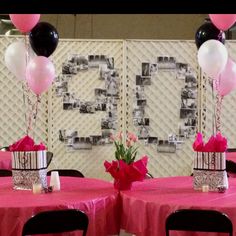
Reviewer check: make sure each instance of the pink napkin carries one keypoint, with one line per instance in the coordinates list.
(216, 143)
(26, 144)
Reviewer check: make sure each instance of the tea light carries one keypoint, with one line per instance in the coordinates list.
(37, 188)
(205, 188)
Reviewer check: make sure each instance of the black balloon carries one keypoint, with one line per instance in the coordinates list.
(44, 39)
(206, 32)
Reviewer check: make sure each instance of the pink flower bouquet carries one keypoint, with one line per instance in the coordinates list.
(125, 170)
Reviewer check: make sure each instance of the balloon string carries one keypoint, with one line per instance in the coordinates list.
(213, 99)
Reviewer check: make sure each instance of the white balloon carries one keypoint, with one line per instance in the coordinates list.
(15, 59)
(212, 57)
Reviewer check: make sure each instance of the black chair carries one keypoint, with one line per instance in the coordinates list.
(5, 172)
(49, 158)
(56, 221)
(230, 166)
(199, 220)
(67, 172)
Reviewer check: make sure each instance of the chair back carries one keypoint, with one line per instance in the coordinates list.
(56, 221)
(49, 157)
(5, 172)
(199, 220)
(67, 172)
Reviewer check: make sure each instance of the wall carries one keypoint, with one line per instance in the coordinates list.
(126, 26)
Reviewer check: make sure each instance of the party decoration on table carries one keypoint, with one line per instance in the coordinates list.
(44, 39)
(125, 170)
(223, 21)
(206, 32)
(40, 73)
(29, 163)
(24, 22)
(212, 57)
(209, 166)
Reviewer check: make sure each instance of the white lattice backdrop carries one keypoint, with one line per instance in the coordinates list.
(228, 113)
(163, 102)
(12, 111)
(90, 162)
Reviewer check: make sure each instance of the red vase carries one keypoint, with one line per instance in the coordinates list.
(122, 185)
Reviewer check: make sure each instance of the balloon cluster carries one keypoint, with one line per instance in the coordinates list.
(212, 54)
(38, 71)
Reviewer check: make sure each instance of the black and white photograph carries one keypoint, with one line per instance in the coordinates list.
(165, 146)
(100, 106)
(100, 92)
(106, 136)
(146, 69)
(141, 121)
(138, 112)
(142, 81)
(191, 81)
(95, 60)
(61, 88)
(62, 135)
(103, 71)
(143, 132)
(141, 102)
(181, 70)
(96, 140)
(176, 140)
(87, 107)
(166, 63)
(188, 103)
(80, 62)
(188, 93)
(187, 113)
(108, 123)
(153, 69)
(111, 86)
(81, 143)
(139, 92)
(67, 136)
(190, 121)
(187, 131)
(110, 62)
(68, 106)
(152, 140)
(69, 68)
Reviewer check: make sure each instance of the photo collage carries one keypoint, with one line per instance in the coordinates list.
(188, 119)
(105, 99)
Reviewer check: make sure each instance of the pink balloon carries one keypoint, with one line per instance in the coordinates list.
(40, 73)
(226, 81)
(223, 21)
(24, 22)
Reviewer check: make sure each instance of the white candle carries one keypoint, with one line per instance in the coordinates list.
(205, 188)
(37, 188)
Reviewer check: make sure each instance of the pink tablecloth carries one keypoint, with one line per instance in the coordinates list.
(146, 207)
(5, 160)
(231, 156)
(97, 198)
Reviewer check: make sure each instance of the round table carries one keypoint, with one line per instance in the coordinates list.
(97, 198)
(146, 206)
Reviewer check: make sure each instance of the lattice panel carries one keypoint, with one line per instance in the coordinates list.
(163, 102)
(228, 113)
(12, 118)
(83, 84)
